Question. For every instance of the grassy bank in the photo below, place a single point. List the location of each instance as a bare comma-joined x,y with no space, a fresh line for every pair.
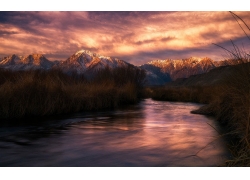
199,94
41,93
228,102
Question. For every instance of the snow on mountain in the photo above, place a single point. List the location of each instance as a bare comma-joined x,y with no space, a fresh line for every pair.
82,61
158,72
183,68
85,60
10,60
37,61
34,61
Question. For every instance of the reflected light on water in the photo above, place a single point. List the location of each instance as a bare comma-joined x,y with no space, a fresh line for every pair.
151,133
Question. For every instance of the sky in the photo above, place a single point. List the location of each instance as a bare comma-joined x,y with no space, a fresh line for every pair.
136,37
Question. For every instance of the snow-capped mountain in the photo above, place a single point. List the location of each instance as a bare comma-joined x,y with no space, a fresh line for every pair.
85,60
82,61
34,61
158,72
10,60
184,68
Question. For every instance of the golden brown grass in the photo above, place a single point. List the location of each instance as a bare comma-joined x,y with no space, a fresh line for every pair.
40,93
200,94
234,111
228,102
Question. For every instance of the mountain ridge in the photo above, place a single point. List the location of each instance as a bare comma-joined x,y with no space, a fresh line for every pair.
32,61
182,68
158,72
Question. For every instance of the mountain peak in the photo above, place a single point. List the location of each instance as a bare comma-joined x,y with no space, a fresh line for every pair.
84,60
86,52
10,60
90,53
35,59
83,51
37,55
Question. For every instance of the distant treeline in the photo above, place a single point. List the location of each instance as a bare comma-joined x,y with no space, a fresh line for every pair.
49,92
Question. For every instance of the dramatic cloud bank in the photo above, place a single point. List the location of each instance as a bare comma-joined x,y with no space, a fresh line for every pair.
136,37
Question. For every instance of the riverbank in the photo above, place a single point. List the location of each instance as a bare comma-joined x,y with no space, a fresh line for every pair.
37,93
42,93
144,134
228,102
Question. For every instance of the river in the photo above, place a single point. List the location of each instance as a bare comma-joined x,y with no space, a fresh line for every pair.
148,134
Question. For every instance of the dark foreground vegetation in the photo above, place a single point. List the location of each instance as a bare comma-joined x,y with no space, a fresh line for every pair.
41,93
226,91
228,101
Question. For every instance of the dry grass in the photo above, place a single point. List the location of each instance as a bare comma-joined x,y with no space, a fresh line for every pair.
200,94
228,102
234,112
41,93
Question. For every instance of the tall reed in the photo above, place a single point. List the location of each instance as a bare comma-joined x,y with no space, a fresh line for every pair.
228,101
40,93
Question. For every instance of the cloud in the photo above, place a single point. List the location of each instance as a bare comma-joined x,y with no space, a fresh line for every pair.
2,33
137,37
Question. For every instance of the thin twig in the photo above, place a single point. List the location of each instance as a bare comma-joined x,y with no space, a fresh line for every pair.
207,145
214,128
236,50
239,23
225,49
240,19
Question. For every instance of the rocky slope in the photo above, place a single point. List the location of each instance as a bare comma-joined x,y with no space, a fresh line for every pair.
81,62
160,71
34,61
86,61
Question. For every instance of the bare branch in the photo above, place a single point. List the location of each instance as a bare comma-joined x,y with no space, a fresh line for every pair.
226,50
240,19
233,14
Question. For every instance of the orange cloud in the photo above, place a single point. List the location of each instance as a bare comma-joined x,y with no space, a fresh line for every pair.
128,35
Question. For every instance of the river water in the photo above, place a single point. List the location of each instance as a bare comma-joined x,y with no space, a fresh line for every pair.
151,133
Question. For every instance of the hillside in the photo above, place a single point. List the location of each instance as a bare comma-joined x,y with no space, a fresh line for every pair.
86,61
158,72
215,76
164,71
33,61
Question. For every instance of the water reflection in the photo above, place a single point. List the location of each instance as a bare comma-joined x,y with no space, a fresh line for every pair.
148,134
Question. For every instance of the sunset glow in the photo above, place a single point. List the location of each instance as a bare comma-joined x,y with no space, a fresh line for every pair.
136,37
125,84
